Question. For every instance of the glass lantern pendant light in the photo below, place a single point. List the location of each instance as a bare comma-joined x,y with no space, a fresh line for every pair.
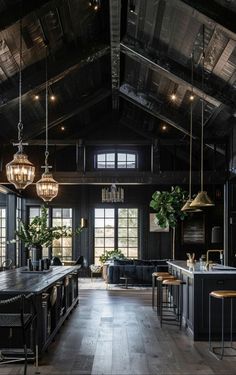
202,199
47,187
20,171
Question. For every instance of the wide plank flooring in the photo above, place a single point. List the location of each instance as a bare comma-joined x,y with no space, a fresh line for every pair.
117,332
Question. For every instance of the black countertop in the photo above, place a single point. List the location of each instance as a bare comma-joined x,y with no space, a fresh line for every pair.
15,281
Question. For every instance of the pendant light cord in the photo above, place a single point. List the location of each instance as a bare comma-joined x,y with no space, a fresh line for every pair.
202,108
20,125
191,134
46,109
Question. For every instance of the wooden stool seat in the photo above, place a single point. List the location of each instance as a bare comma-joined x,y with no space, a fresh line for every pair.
167,277
157,274
223,294
172,282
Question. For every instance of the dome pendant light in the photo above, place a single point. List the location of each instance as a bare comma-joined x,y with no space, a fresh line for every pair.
47,187
202,199
20,171
187,207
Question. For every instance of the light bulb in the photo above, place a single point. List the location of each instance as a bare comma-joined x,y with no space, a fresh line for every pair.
173,97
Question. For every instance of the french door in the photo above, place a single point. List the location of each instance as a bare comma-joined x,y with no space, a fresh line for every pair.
116,228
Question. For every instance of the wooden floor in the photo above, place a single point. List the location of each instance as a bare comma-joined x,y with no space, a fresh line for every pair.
117,332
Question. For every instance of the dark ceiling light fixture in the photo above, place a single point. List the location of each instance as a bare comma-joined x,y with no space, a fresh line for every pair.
173,97
20,171
187,206
202,199
47,187
95,4
52,96
132,6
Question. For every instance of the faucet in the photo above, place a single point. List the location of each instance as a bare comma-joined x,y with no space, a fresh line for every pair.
215,251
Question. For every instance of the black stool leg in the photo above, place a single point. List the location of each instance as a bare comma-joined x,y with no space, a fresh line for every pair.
222,327
153,290
231,322
210,323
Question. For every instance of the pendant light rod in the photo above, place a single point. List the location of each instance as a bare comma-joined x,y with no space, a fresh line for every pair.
203,102
191,133
46,109
20,171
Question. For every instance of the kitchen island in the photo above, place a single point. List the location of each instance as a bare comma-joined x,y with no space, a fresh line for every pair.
55,294
198,284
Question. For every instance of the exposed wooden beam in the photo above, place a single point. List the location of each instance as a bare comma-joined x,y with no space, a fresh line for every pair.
137,178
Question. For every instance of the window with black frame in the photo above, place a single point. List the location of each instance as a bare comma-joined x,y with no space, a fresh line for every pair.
116,160
2,234
116,228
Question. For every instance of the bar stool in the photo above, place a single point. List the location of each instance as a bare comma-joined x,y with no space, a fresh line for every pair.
223,295
160,280
178,306
154,284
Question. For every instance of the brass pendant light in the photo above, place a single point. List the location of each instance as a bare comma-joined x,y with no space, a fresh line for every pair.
202,199
20,171
186,207
47,187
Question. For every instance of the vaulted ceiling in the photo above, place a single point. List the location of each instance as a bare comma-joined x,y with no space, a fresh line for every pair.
113,70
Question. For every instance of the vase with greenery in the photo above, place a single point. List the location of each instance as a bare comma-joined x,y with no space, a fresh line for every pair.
111,255
167,205
38,234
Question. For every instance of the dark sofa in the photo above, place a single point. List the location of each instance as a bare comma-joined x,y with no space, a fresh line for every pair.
138,271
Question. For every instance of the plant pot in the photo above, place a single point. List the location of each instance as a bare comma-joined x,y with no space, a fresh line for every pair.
36,255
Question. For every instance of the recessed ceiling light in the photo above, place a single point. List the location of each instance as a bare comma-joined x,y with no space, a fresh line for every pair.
164,127
36,97
173,97
63,128
191,97
53,98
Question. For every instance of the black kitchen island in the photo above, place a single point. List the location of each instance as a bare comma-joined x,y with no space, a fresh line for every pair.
198,284
55,294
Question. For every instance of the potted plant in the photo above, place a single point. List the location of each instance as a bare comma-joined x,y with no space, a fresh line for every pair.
111,255
37,234
167,205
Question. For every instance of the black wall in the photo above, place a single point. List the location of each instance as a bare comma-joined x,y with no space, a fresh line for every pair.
153,245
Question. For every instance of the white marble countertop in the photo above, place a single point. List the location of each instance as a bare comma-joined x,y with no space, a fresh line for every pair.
195,268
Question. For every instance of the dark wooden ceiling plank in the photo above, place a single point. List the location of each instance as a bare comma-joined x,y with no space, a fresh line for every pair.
36,82
214,11
133,99
87,103
175,75
13,13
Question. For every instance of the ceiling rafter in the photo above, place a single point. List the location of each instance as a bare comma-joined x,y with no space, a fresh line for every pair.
115,10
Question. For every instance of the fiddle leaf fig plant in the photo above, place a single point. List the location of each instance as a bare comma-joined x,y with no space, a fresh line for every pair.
168,204
38,233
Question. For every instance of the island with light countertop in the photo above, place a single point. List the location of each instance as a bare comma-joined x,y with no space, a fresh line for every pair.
198,283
